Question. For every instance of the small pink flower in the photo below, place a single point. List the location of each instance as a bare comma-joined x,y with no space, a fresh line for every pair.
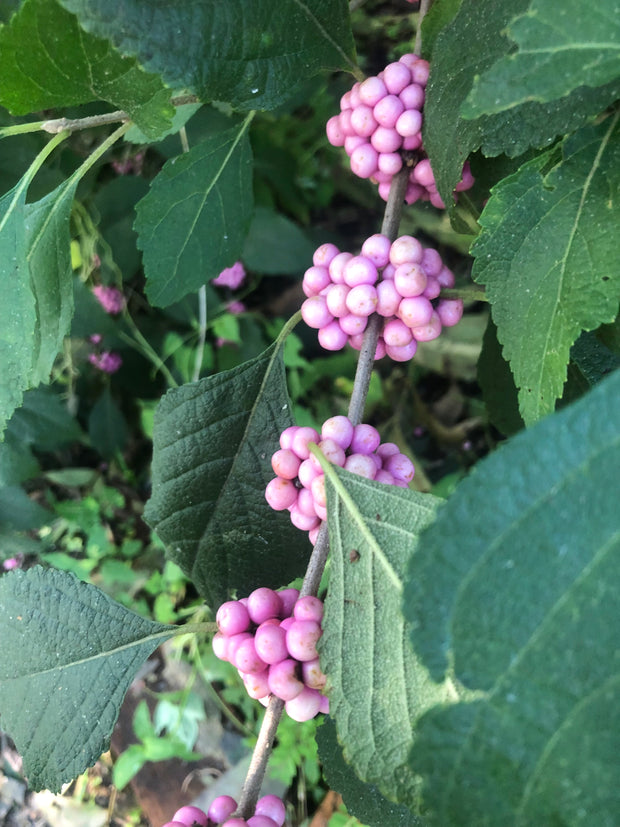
95,338
108,361
221,341
235,308
110,298
232,277
10,563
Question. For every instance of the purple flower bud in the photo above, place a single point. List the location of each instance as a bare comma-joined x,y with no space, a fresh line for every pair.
236,307
108,361
232,277
110,298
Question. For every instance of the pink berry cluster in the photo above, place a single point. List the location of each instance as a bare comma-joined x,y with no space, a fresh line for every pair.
399,280
380,118
269,812
270,637
300,482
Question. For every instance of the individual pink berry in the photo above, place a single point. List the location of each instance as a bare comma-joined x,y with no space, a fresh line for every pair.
412,96
280,493
332,337
336,267
363,120
308,608
406,250
372,90
400,354
450,311
285,463
396,77
272,806
316,278
283,679
409,123
335,135
359,270
232,617
423,174
191,815
246,658
429,331
396,334
286,437
288,598
270,642
221,808
304,436
384,139
301,520
304,706
388,110
338,428
362,465
261,821
410,279
336,300
256,685
324,254
415,312
353,325
312,674
390,163
362,300
264,603
388,298
364,159
366,439
315,312
400,466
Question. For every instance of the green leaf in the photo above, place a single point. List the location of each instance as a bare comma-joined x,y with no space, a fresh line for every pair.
437,18
47,61
593,359
44,421
193,221
559,50
364,801
522,607
376,686
17,310
252,55
548,258
107,427
212,447
128,764
18,511
497,383
465,48
275,245
69,655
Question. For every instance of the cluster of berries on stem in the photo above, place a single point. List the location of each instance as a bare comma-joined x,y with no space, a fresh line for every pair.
269,812
271,637
380,128
300,482
400,280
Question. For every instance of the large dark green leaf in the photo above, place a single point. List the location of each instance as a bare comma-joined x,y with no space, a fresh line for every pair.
548,256
364,801
193,221
212,447
47,61
559,50
252,54
514,593
69,653
276,245
465,48
376,686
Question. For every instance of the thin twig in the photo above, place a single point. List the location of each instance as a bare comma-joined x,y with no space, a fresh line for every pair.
366,361
424,7
56,125
260,757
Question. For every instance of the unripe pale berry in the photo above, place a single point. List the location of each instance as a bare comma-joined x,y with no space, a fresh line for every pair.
332,337
280,493
285,464
406,250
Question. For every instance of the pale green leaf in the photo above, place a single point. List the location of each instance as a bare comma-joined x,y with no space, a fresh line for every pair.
376,686
192,223
513,593
560,48
69,655
548,258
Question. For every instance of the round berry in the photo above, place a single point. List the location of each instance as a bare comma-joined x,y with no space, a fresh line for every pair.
405,250
372,90
288,598
410,279
283,679
302,438
232,617
362,465
362,299
324,254
191,815
338,428
280,493
415,311
272,806
365,158
316,278
301,639
221,808
304,706
285,463
308,608
377,247
366,439
264,603
359,270
332,336
270,642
